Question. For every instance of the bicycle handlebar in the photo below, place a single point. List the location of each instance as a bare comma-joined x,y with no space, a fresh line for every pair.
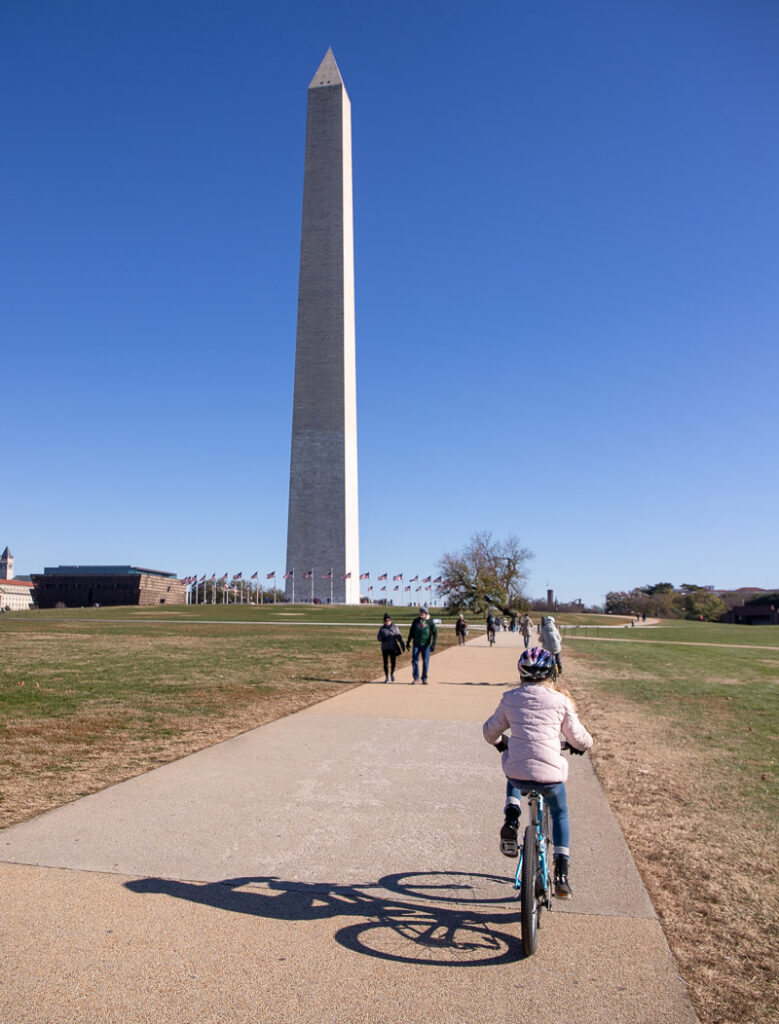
502,745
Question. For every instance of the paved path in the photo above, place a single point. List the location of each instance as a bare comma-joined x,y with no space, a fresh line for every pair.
339,865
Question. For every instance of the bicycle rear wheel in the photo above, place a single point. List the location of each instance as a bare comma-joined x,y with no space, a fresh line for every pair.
528,899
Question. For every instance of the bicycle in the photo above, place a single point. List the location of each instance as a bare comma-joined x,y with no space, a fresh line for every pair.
534,878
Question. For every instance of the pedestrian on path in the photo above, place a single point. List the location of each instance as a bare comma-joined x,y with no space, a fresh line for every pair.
551,640
461,629
421,639
536,713
525,625
391,646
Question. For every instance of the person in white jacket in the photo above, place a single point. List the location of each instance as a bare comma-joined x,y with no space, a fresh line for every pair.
551,641
536,713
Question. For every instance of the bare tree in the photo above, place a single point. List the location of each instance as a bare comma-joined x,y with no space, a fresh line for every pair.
486,572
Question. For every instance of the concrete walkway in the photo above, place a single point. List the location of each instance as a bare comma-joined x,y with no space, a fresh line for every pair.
339,865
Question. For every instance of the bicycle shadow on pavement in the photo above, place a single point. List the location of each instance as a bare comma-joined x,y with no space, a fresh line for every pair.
439,919
447,682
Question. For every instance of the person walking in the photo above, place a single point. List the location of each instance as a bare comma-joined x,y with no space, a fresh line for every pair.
421,639
552,641
461,629
525,625
391,646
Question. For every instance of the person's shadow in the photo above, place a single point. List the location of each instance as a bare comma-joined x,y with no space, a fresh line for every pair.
449,920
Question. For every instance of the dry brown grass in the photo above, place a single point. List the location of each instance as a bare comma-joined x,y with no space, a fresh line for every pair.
711,872
83,707
49,763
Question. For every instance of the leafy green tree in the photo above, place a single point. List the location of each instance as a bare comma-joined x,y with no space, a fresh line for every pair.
701,604
486,572
657,588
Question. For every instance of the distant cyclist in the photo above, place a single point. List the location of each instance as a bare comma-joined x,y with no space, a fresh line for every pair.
492,625
536,713
461,629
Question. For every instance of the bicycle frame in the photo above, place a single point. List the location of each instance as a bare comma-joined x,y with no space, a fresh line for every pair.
536,809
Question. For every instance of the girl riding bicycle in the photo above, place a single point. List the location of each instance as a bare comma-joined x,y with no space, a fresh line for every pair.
536,713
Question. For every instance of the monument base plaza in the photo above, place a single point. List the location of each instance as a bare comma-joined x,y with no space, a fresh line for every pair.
341,865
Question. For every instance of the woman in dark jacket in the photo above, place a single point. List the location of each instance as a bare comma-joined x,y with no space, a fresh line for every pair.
391,645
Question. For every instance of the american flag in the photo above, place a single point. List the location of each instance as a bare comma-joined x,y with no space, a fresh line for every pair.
383,588
365,575
238,576
270,575
225,575
437,579
254,575
370,588
308,575
213,577
407,588
414,579
347,576
427,579
327,576
398,577
382,577
396,588
202,578
289,575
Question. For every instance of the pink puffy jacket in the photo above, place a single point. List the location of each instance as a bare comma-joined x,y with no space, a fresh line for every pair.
536,715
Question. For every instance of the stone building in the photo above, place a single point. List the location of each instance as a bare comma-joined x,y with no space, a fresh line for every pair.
79,586
15,595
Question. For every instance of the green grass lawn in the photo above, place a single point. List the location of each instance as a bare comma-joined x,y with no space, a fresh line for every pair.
683,630
366,615
723,698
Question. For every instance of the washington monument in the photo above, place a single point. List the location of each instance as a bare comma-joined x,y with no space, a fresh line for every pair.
322,528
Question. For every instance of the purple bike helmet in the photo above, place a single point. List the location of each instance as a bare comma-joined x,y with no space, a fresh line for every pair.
536,663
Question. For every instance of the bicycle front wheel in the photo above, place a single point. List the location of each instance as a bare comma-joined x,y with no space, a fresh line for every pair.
528,899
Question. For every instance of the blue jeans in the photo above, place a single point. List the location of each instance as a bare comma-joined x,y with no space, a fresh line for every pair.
554,794
415,653
526,638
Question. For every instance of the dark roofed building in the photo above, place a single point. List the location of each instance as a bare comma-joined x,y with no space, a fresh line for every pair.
753,615
78,586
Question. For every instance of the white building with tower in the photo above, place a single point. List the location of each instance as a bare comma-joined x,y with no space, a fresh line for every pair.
15,595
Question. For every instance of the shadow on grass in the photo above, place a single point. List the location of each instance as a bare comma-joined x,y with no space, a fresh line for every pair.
438,919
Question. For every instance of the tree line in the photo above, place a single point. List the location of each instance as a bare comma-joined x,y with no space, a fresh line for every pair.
687,601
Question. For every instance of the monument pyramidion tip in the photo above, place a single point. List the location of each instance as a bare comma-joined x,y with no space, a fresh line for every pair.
327,73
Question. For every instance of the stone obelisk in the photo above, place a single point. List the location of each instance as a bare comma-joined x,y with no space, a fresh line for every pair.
322,531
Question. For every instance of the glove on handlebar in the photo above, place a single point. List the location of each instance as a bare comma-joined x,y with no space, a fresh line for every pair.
573,750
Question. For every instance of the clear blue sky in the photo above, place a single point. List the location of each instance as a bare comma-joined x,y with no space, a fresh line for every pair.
567,255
